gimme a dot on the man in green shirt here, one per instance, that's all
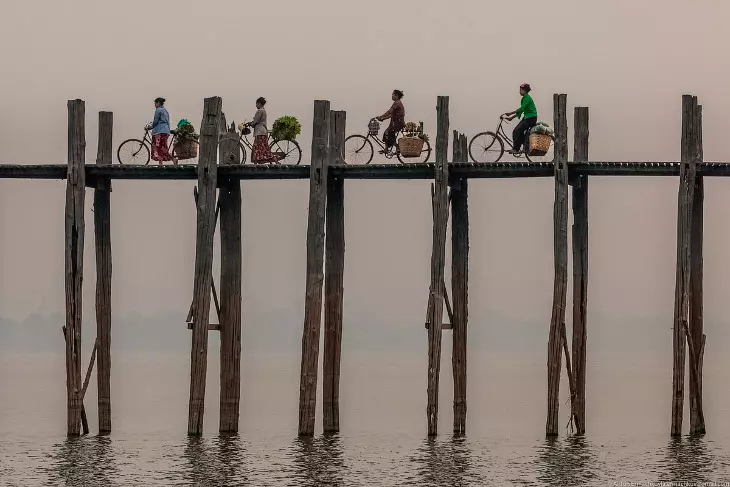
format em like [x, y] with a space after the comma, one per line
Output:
[528, 112]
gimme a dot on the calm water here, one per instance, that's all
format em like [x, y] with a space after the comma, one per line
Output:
[382, 443]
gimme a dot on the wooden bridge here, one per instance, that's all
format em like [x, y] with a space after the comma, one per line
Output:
[218, 198]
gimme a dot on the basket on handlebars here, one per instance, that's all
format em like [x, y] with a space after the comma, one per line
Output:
[411, 146]
[374, 127]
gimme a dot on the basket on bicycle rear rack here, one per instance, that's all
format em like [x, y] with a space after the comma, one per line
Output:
[411, 146]
[186, 149]
[539, 144]
[374, 127]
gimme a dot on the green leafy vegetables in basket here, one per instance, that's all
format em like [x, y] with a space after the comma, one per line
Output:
[186, 131]
[286, 128]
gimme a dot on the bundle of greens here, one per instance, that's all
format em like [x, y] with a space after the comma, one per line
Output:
[543, 129]
[286, 128]
[186, 131]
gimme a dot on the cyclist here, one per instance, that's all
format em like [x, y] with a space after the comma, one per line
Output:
[528, 112]
[397, 115]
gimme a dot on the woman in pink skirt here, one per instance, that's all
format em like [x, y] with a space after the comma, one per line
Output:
[260, 153]
[161, 133]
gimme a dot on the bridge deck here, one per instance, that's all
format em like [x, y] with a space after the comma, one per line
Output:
[371, 171]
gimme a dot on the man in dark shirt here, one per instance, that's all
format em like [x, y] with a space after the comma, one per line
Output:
[397, 115]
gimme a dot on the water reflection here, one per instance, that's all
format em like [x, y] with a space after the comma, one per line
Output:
[318, 461]
[687, 460]
[444, 463]
[84, 461]
[216, 462]
[572, 461]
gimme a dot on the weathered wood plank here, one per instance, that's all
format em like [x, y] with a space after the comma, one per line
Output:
[229, 201]
[681, 295]
[315, 273]
[560, 232]
[697, 419]
[211, 326]
[580, 270]
[334, 278]
[207, 183]
[438, 261]
[74, 259]
[459, 289]
[103, 251]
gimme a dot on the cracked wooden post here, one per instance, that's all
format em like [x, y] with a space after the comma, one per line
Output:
[230, 296]
[74, 259]
[315, 273]
[696, 419]
[206, 203]
[684, 220]
[438, 260]
[103, 248]
[333, 278]
[580, 271]
[459, 284]
[560, 234]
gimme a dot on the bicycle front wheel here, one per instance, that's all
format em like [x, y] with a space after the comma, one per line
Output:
[289, 149]
[486, 147]
[358, 150]
[425, 154]
[133, 151]
[229, 157]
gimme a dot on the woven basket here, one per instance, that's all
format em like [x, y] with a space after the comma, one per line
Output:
[186, 149]
[373, 127]
[410, 146]
[539, 144]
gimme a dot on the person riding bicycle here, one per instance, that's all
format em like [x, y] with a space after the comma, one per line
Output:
[397, 115]
[528, 112]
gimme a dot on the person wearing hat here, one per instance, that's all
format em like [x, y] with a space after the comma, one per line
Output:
[160, 133]
[528, 112]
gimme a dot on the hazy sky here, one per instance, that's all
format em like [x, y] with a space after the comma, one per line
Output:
[629, 61]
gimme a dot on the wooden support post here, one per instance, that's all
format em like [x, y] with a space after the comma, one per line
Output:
[560, 232]
[207, 183]
[315, 273]
[230, 297]
[334, 267]
[438, 259]
[459, 289]
[580, 271]
[696, 421]
[684, 222]
[103, 247]
[74, 258]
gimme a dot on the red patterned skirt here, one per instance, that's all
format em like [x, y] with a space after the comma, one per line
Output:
[160, 151]
[260, 152]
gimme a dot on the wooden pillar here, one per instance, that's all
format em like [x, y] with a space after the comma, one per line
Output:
[334, 267]
[230, 296]
[315, 262]
[560, 232]
[207, 182]
[74, 258]
[103, 247]
[684, 222]
[580, 271]
[697, 421]
[438, 259]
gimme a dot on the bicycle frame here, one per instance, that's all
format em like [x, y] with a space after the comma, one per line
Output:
[501, 133]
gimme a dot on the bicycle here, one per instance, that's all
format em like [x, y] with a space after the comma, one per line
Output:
[289, 149]
[361, 147]
[490, 145]
[132, 150]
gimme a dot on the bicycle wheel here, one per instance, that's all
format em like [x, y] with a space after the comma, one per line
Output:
[230, 157]
[133, 151]
[425, 154]
[186, 155]
[486, 147]
[291, 150]
[358, 150]
[547, 157]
